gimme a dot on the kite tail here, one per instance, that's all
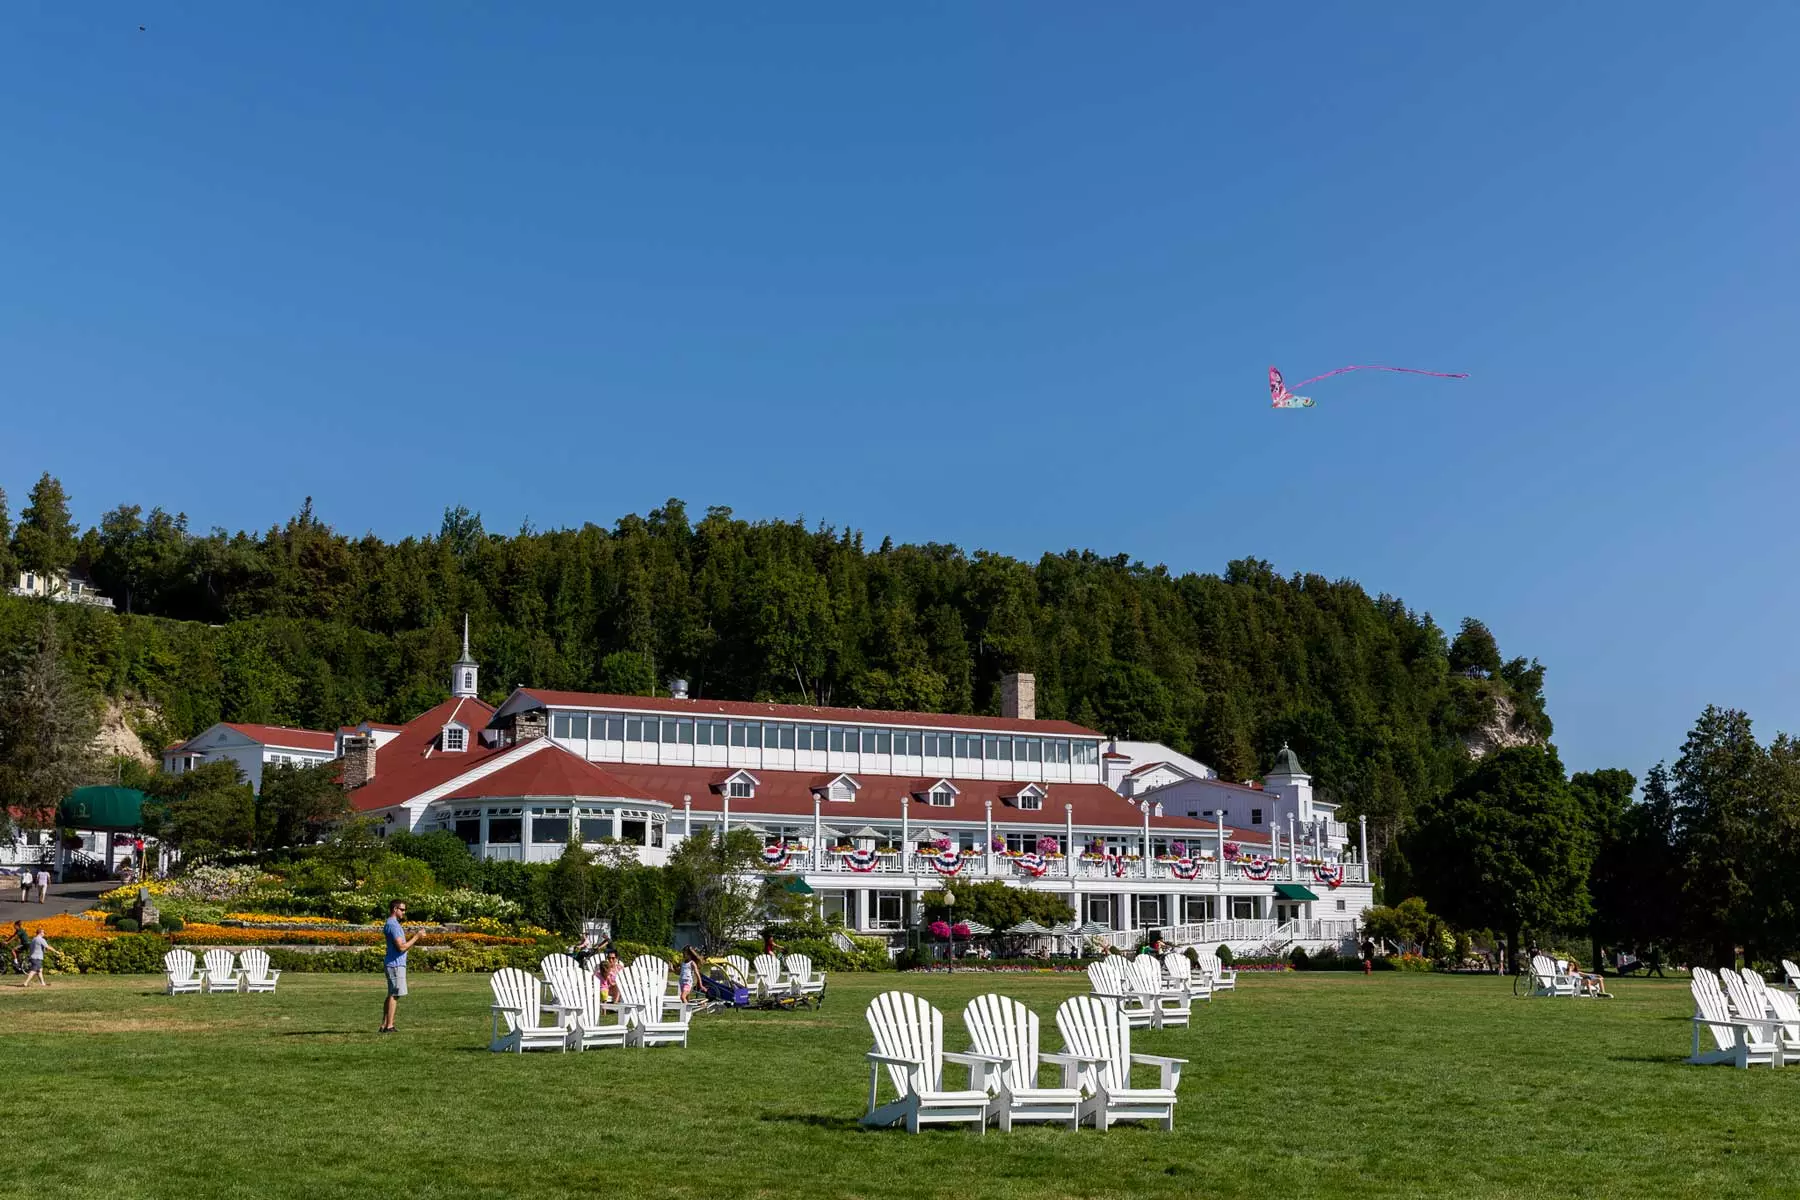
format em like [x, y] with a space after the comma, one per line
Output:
[1374, 367]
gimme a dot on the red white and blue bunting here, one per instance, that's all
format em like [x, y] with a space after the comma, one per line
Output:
[945, 862]
[776, 857]
[1118, 864]
[1033, 865]
[1185, 868]
[862, 861]
[1331, 876]
[1256, 868]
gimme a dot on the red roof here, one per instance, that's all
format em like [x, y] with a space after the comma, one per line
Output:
[412, 763]
[277, 735]
[803, 712]
[552, 771]
[790, 793]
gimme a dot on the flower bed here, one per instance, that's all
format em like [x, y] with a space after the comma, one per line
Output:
[66, 926]
[242, 935]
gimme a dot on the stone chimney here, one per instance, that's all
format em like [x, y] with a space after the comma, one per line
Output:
[359, 760]
[530, 725]
[1018, 696]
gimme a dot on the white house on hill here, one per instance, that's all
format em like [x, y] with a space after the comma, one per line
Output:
[251, 747]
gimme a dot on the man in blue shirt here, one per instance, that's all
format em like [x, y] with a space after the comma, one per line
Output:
[397, 946]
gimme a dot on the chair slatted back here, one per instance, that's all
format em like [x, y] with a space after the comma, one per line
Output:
[521, 991]
[1090, 1026]
[739, 967]
[1005, 1028]
[768, 969]
[180, 964]
[218, 963]
[799, 966]
[907, 1027]
[255, 964]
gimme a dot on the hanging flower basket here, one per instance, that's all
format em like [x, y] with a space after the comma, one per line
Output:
[1233, 850]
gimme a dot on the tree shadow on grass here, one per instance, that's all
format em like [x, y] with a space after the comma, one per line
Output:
[816, 1120]
[1657, 1059]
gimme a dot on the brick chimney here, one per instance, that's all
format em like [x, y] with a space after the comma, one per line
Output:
[359, 760]
[1018, 696]
[530, 725]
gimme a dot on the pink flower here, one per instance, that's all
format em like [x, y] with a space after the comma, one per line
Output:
[1048, 845]
[942, 843]
[940, 929]
[961, 930]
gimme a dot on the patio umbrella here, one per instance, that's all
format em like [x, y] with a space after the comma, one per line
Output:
[1029, 928]
[928, 835]
[1094, 929]
[868, 831]
[977, 929]
[826, 831]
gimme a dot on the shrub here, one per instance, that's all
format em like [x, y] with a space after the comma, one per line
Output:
[1298, 958]
[172, 924]
[1406, 962]
[126, 924]
[1224, 954]
[134, 954]
[630, 952]
[871, 954]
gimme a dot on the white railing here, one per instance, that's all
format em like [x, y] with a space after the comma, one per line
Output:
[832, 862]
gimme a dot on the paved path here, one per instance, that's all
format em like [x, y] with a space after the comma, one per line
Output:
[64, 898]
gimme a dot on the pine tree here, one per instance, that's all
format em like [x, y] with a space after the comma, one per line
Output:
[47, 727]
[45, 541]
[7, 569]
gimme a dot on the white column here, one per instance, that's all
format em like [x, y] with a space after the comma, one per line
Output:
[525, 832]
[1363, 821]
[905, 829]
[862, 908]
[725, 814]
[1069, 839]
[1293, 858]
[618, 823]
[818, 853]
[1220, 813]
[687, 816]
[987, 843]
[1146, 839]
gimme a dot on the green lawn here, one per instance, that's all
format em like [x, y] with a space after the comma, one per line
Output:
[1298, 1085]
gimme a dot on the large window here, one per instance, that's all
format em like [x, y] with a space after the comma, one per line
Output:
[710, 733]
[992, 747]
[504, 831]
[1086, 753]
[835, 904]
[937, 745]
[889, 910]
[967, 747]
[684, 732]
[635, 729]
[1196, 909]
[905, 742]
[837, 739]
[610, 728]
[632, 830]
[1099, 908]
[746, 733]
[549, 826]
[569, 725]
[468, 828]
[1243, 908]
[740, 789]
[875, 741]
[668, 731]
[1152, 911]
[596, 827]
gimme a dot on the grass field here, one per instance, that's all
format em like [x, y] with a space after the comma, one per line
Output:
[1298, 1085]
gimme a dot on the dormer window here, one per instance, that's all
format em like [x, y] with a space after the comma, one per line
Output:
[942, 797]
[1030, 798]
[456, 739]
[739, 785]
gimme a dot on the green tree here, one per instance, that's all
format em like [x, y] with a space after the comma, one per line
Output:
[45, 540]
[627, 673]
[8, 569]
[202, 811]
[449, 859]
[299, 804]
[1475, 650]
[997, 905]
[47, 727]
[1507, 848]
[717, 877]
[1605, 801]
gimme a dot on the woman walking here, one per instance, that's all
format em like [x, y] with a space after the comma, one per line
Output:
[36, 962]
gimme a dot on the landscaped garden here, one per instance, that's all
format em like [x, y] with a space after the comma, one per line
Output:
[1297, 1085]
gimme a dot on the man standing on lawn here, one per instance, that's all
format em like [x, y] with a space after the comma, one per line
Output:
[397, 946]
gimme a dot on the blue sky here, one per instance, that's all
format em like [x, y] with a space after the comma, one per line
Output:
[1004, 275]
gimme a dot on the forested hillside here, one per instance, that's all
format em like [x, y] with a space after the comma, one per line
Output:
[304, 625]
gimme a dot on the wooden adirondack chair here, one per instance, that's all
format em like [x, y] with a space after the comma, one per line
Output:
[554, 964]
[258, 976]
[656, 1018]
[597, 1023]
[1180, 970]
[909, 1042]
[738, 968]
[183, 976]
[774, 981]
[1792, 970]
[1785, 1009]
[221, 971]
[807, 985]
[1548, 979]
[1742, 1042]
[1173, 1003]
[1099, 1033]
[1222, 978]
[519, 1005]
[1108, 979]
[1004, 1029]
[1757, 988]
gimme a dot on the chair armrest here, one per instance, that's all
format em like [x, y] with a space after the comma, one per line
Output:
[1158, 1060]
[893, 1060]
[984, 1069]
[973, 1059]
[511, 1008]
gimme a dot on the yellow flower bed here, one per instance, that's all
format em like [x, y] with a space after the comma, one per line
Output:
[236, 935]
[156, 887]
[66, 926]
[279, 919]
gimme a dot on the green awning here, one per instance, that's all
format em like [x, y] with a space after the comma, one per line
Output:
[799, 887]
[102, 808]
[1293, 891]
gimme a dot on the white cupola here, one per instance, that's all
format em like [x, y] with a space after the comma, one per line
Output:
[464, 674]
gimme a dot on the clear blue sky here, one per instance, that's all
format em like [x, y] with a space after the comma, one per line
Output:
[1004, 275]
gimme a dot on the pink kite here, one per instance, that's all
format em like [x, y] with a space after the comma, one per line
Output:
[1280, 397]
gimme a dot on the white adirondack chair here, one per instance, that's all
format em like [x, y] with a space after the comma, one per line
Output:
[258, 975]
[1173, 1003]
[1099, 1033]
[1549, 979]
[221, 971]
[909, 1042]
[597, 1023]
[1222, 978]
[774, 981]
[183, 976]
[806, 983]
[656, 1018]
[1757, 988]
[739, 969]
[519, 1006]
[1742, 1042]
[1108, 979]
[1784, 1008]
[1792, 970]
[1180, 970]
[554, 964]
[1004, 1029]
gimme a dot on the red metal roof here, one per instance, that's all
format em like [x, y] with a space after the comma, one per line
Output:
[552, 771]
[804, 712]
[284, 736]
[412, 764]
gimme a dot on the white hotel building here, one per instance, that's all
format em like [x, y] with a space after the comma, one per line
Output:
[871, 809]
